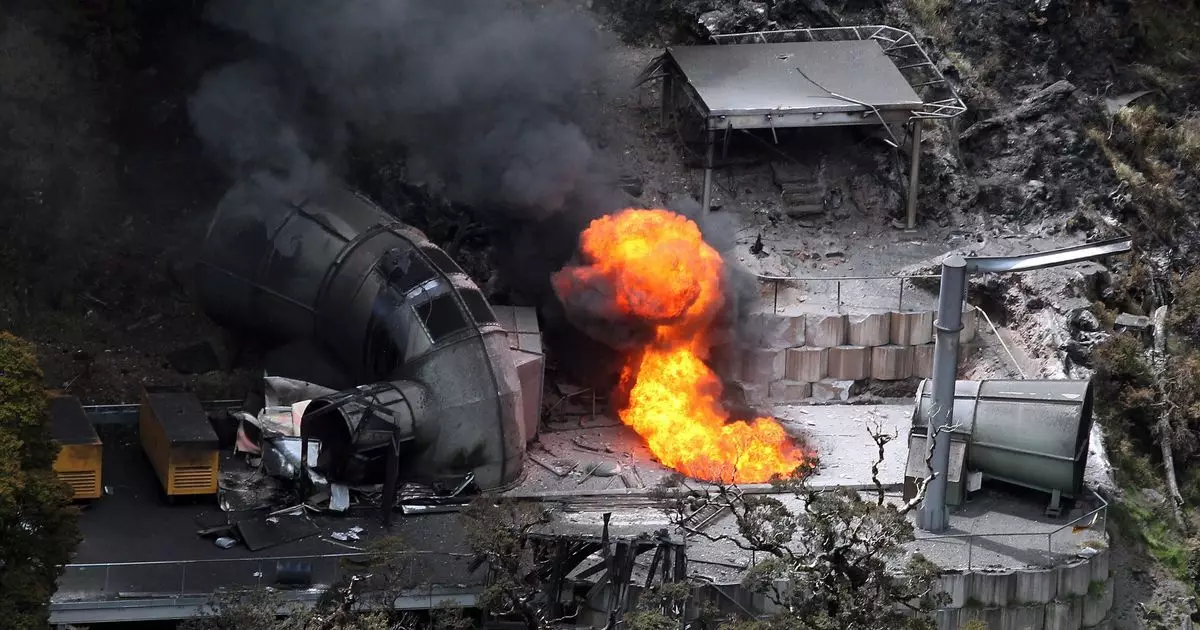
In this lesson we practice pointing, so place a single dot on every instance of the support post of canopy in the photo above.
(710, 145)
(914, 173)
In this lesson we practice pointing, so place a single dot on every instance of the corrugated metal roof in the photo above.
(762, 78)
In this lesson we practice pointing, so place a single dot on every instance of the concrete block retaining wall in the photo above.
(1074, 596)
(823, 355)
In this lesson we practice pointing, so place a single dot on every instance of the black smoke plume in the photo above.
(485, 96)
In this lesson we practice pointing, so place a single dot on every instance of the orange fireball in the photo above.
(660, 270)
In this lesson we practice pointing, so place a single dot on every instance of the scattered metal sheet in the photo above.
(281, 457)
(263, 533)
(339, 497)
(418, 509)
(279, 391)
(1116, 103)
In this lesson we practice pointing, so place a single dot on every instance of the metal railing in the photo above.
(837, 281)
(201, 578)
(1094, 521)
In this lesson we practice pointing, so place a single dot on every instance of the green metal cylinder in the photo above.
(1032, 433)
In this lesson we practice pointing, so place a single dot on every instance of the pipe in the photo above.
(934, 516)
(392, 310)
(1052, 258)
(951, 295)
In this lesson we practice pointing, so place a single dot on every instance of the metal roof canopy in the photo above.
(847, 75)
(795, 84)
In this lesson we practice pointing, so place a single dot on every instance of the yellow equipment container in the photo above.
(81, 454)
(179, 441)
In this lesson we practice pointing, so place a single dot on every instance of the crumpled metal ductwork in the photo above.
(392, 309)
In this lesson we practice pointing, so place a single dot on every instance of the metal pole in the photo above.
(934, 517)
(710, 141)
(914, 173)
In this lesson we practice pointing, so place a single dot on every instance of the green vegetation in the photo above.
(1151, 526)
(38, 531)
(1136, 405)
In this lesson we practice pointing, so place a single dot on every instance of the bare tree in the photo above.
(830, 558)
(498, 532)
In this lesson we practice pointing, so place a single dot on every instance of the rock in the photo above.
(825, 331)
(831, 389)
(806, 364)
(869, 329)
(1082, 319)
(1135, 323)
(1078, 351)
(1089, 280)
(786, 391)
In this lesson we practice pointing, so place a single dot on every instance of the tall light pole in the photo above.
(953, 291)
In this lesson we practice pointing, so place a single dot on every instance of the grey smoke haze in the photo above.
(484, 96)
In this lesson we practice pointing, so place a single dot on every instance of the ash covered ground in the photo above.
(104, 211)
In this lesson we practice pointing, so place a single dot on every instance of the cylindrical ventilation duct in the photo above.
(391, 307)
(1032, 433)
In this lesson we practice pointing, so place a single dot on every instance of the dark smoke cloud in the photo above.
(258, 123)
(485, 96)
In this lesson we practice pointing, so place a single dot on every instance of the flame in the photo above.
(659, 269)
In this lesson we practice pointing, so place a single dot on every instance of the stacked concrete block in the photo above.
(831, 389)
(911, 328)
(806, 364)
(774, 331)
(762, 366)
(786, 391)
(825, 331)
(891, 363)
(849, 363)
(923, 360)
(816, 355)
(970, 324)
(1054, 597)
(755, 394)
(869, 329)
(728, 360)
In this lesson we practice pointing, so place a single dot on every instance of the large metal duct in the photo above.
(393, 310)
(1032, 433)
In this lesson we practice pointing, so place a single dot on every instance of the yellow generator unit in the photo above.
(179, 441)
(80, 454)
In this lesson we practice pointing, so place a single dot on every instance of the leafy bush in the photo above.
(1125, 396)
(38, 530)
(1184, 315)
